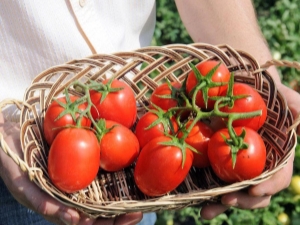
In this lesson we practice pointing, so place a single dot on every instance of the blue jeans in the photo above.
(13, 213)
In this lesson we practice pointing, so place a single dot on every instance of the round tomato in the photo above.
(117, 105)
(53, 123)
(161, 125)
(159, 167)
(252, 102)
(221, 74)
(119, 147)
(198, 138)
(164, 97)
(250, 162)
(74, 159)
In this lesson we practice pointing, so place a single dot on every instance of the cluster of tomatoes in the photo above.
(89, 133)
(207, 121)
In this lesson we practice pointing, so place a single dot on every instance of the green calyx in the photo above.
(163, 118)
(104, 89)
(236, 143)
(101, 129)
(179, 143)
(204, 83)
(71, 108)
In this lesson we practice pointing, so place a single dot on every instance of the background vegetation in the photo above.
(280, 24)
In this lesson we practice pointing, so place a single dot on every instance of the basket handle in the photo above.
(280, 63)
(4, 146)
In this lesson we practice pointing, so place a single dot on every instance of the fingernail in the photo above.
(65, 218)
(232, 203)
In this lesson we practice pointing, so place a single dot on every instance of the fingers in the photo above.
(212, 210)
(129, 219)
(258, 196)
(276, 183)
(243, 200)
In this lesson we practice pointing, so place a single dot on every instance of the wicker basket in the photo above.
(144, 69)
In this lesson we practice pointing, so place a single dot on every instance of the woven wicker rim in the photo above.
(115, 193)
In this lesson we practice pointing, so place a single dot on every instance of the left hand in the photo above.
(259, 196)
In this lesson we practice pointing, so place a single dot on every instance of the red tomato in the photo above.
(119, 106)
(198, 138)
(119, 147)
(74, 159)
(250, 162)
(222, 74)
(51, 123)
(251, 103)
(145, 135)
(159, 168)
(163, 97)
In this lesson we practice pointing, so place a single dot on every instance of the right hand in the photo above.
(31, 196)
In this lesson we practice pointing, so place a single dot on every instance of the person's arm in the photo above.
(233, 22)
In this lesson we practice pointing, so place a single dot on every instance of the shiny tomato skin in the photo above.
(118, 106)
(119, 147)
(253, 102)
(159, 168)
(250, 162)
(145, 135)
(222, 74)
(198, 138)
(164, 89)
(51, 125)
(74, 159)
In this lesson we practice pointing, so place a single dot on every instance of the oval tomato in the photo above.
(252, 102)
(198, 138)
(221, 74)
(119, 106)
(250, 162)
(119, 147)
(52, 125)
(159, 168)
(74, 159)
(145, 134)
(163, 97)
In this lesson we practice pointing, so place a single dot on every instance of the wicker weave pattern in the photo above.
(144, 69)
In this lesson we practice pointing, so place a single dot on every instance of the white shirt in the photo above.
(35, 34)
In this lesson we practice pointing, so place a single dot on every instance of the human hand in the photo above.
(259, 196)
(29, 195)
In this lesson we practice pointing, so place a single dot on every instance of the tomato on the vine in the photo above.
(250, 103)
(198, 138)
(114, 102)
(158, 127)
(74, 159)
(164, 96)
(221, 76)
(59, 115)
(160, 168)
(250, 162)
(119, 147)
